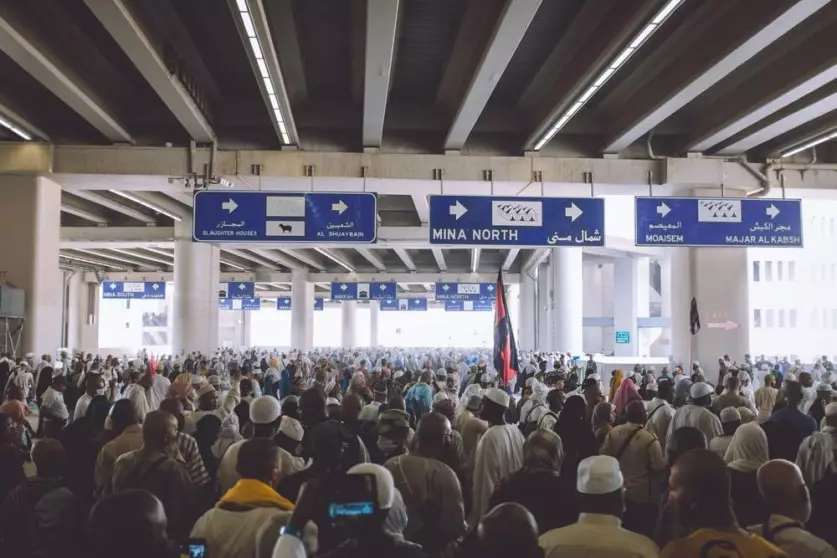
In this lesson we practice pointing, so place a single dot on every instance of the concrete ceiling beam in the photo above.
(115, 206)
(372, 258)
(439, 256)
(511, 256)
(406, 258)
(84, 214)
(382, 21)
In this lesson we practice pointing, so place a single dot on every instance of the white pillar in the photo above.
(513, 310)
(247, 329)
(197, 273)
(30, 227)
(374, 317)
(302, 311)
(348, 310)
(82, 314)
(567, 299)
(630, 301)
(544, 310)
(528, 313)
(592, 306)
(677, 297)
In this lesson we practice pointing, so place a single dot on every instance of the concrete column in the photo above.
(592, 304)
(82, 314)
(302, 311)
(197, 273)
(528, 313)
(31, 231)
(513, 302)
(677, 297)
(247, 329)
(565, 268)
(544, 309)
(374, 320)
(348, 334)
(630, 301)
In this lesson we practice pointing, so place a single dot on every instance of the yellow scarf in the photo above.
(255, 493)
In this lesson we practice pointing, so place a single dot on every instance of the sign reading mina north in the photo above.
(718, 222)
(492, 221)
(236, 216)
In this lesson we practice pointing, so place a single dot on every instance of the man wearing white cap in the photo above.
(697, 414)
(264, 414)
(208, 405)
(598, 532)
(499, 452)
(730, 421)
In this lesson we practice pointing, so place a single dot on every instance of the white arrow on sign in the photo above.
(490, 288)
(229, 206)
(241, 286)
(155, 286)
(343, 287)
(112, 286)
(727, 325)
(573, 212)
(772, 211)
(458, 210)
(339, 207)
(446, 287)
(383, 287)
(663, 209)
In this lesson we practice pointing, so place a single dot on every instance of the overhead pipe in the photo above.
(763, 178)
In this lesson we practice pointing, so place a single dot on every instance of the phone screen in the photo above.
(351, 509)
(353, 498)
(194, 548)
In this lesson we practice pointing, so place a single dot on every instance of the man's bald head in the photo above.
(143, 515)
(352, 406)
(50, 458)
(508, 530)
(783, 488)
(432, 431)
(636, 412)
(158, 429)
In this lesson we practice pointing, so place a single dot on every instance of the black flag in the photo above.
(694, 317)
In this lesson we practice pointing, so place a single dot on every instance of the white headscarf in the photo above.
(815, 457)
(748, 449)
(470, 391)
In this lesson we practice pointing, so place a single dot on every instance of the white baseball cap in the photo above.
(599, 474)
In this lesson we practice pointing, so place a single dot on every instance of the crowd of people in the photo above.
(414, 453)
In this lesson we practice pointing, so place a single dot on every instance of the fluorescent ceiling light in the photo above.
(111, 257)
(606, 74)
(14, 129)
(809, 145)
(144, 203)
(158, 251)
(91, 262)
(335, 259)
(232, 265)
(141, 256)
(475, 259)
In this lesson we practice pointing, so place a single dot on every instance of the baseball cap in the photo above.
(599, 474)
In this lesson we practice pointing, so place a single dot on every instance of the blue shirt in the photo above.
(803, 424)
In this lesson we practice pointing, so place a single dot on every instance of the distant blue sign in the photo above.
(240, 289)
(143, 290)
(236, 216)
(466, 291)
(363, 291)
(239, 304)
(283, 303)
(469, 306)
(718, 222)
(319, 304)
(623, 337)
(404, 305)
(492, 221)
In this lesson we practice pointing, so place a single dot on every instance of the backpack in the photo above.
(416, 404)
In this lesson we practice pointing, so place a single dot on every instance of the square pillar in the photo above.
(197, 273)
(544, 309)
(566, 271)
(528, 313)
(374, 321)
(82, 313)
(302, 311)
(630, 301)
(348, 333)
(31, 229)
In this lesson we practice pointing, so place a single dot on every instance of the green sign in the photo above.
(623, 337)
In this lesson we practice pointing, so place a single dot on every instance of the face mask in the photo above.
(386, 445)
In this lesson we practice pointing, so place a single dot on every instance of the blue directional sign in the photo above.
(469, 306)
(491, 221)
(623, 337)
(240, 289)
(140, 290)
(404, 305)
(319, 304)
(718, 222)
(235, 216)
(283, 303)
(363, 291)
(466, 291)
(239, 304)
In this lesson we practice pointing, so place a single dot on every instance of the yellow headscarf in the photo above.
(615, 382)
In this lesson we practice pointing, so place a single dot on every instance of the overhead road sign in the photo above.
(283, 303)
(239, 304)
(490, 221)
(240, 289)
(718, 222)
(469, 306)
(404, 305)
(143, 290)
(235, 216)
(319, 304)
(363, 291)
(466, 291)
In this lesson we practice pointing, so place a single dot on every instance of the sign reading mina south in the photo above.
(510, 221)
(718, 222)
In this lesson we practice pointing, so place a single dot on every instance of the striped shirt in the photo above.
(188, 448)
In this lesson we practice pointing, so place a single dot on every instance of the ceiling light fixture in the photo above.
(266, 81)
(809, 145)
(335, 259)
(91, 262)
(144, 203)
(14, 129)
(111, 256)
(232, 265)
(611, 69)
(141, 256)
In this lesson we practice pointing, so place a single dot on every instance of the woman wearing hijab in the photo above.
(83, 439)
(576, 434)
(615, 382)
(745, 454)
(286, 382)
(208, 430)
(626, 393)
(816, 460)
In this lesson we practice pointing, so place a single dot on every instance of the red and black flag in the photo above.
(505, 349)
